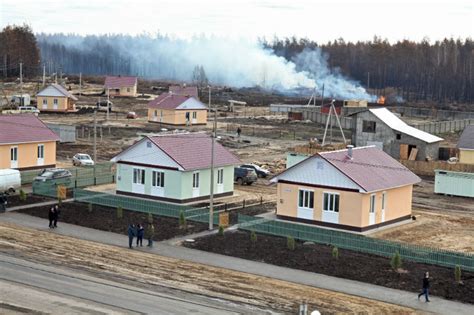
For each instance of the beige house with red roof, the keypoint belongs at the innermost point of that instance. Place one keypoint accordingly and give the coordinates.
(175, 168)
(177, 110)
(55, 98)
(185, 90)
(26, 143)
(121, 86)
(355, 189)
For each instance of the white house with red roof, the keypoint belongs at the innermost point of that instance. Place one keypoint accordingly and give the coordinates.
(55, 98)
(26, 143)
(175, 168)
(355, 189)
(177, 110)
(121, 86)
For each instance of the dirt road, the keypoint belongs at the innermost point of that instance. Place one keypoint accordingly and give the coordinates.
(149, 271)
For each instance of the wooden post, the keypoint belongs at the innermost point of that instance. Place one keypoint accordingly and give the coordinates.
(243, 204)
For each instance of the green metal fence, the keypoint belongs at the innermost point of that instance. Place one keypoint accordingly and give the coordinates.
(357, 243)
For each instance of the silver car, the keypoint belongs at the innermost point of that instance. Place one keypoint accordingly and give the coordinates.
(82, 159)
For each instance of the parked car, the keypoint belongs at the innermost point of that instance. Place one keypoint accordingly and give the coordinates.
(28, 109)
(261, 172)
(82, 159)
(54, 175)
(244, 175)
(132, 115)
(10, 180)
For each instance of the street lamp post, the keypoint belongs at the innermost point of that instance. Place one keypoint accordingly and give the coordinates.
(213, 139)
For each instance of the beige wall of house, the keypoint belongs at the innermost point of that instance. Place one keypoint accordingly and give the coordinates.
(466, 156)
(55, 103)
(177, 117)
(124, 91)
(353, 206)
(27, 155)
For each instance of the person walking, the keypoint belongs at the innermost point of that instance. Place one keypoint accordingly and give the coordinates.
(426, 287)
(3, 202)
(131, 233)
(51, 216)
(239, 131)
(140, 233)
(56, 216)
(149, 234)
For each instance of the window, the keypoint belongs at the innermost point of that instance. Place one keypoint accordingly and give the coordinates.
(372, 204)
(368, 126)
(195, 180)
(194, 115)
(148, 144)
(161, 113)
(139, 176)
(384, 200)
(14, 154)
(331, 202)
(220, 176)
(158, 179)
(128, 89)
(399, 136)
(155, 113)
(40, 151)
(55, 101)
(306, 199)
(45, 101)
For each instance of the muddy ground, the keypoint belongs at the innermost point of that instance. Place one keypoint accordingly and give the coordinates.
(350, 265)
(237, 287)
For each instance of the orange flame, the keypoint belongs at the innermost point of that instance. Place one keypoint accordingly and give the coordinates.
(381, 100)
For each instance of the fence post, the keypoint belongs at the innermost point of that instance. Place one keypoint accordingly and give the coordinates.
(243, 204)
(261, 200)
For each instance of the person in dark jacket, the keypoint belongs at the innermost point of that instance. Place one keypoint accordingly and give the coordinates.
(140, 234)
(149, 234)
(3, 202)
(51, 216)
(56, 215)
(426, 287)
(131, 233)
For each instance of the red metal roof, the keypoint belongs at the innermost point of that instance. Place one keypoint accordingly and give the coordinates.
(193, 150)
(184, 90)
(168, 101)
(371, 168)
(115, 82)
(24, 128)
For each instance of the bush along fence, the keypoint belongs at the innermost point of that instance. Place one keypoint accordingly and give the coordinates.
(357, 243)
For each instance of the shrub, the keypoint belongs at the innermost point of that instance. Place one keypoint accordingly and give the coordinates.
(253, 237)
(89, 207)
(119, 212)
(150, 218)
(22, 195)
(335, 252)
(290, 243)
(457, 273)
(182, 220)
(396, 261)
(221, 230)
(60, 201)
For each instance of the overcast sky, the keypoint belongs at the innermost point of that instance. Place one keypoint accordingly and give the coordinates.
(320, 20)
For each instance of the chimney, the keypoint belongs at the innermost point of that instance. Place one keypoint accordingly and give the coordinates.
(349, 150)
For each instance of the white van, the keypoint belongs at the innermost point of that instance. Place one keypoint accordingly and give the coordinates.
(10, 180)
(29, 109)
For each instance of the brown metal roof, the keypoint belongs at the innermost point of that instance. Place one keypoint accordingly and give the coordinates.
(116, 82)
(24, 128)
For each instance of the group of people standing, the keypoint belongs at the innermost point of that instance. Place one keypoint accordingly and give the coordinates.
(53, 216)
(139, 232)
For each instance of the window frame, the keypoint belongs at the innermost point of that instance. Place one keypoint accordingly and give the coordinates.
(194, 115)
(305, 198)
(331, 202)
(55, 101)
(384, 200)
(40, 149)
(45, 101)
(372, 203)
(158, 179)
(138, 176)
(195, 180)
(365, 124)
(220, 176)
(14, 149)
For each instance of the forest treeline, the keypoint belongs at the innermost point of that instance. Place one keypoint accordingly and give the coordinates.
(440, 71)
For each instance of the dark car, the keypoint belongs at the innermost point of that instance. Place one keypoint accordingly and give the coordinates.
(54, 176)
(244, 175)
(261, 172)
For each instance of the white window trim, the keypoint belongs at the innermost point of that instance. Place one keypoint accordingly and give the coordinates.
(384, 200)
(142, 173)
(220, 176)
(16, 157)
(309, 191)
(154, 178)
(372, 204)
(198, 180)
(55, 101)
(334, 202)
(38, 151)
(194, 116)
(45, 101)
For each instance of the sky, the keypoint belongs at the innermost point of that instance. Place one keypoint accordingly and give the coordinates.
(319, 20)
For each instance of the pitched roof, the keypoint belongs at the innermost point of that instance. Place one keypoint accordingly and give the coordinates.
(184, 90)
(466, 141)
(56, 90)
(391, 120)
(115, 82)
(24, 128)
(370, 168)
(193, 150)
(173, 101)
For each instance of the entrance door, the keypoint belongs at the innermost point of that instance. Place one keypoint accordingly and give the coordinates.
(372, 210)
(138, 184)
(14, 157)
(194, 120)
(196, 184)
(55, 103)
(40, 160)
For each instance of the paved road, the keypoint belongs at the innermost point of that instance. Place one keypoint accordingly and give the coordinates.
(366, 290)
(114, 297)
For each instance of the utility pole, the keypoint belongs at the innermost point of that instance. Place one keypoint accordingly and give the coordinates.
(368, 80)
(80, 83)
(44, 74)
(21, 77)
(322, 96)
(95, 136)
(108, 102)
(213, 139)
